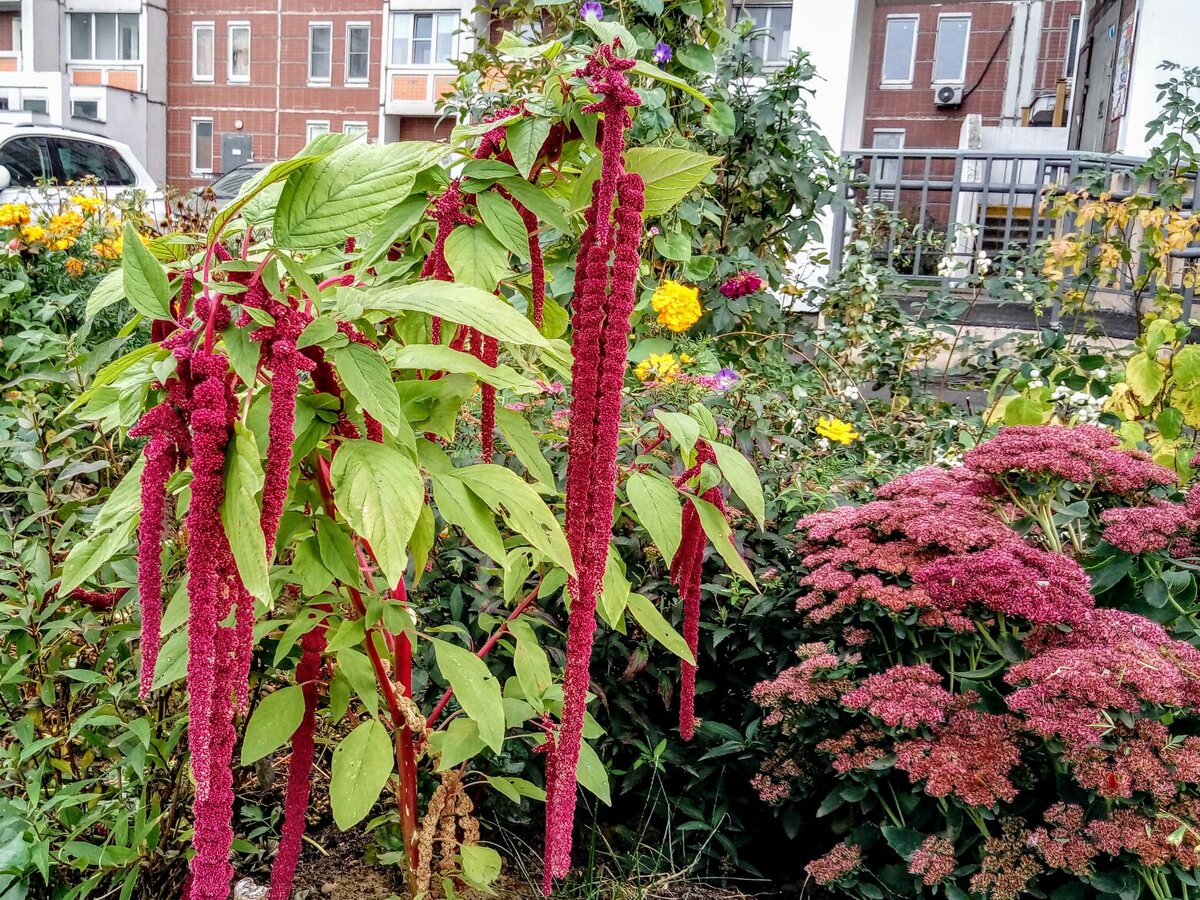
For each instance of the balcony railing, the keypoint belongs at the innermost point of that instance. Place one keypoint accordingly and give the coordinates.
(934, 211)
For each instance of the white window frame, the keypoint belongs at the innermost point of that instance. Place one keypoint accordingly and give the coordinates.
(361, 129)
(772, 43)
(239, 79)
(912, 57)
(89, 98)
(320, 79)
(1075, 31)
(211, 28)
(433, 63)
(197, 170)
(887, 171)
(309, 134)
(962, 75)
(93, 58)
(349, 27)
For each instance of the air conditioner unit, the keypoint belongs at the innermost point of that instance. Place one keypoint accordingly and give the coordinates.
(948, 95)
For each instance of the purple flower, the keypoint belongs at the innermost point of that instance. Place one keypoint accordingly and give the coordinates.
(662, 52)
(726, 379)
(591, 8)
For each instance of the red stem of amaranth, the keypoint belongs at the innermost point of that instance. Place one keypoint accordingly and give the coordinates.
(487, 648)
(406, 758)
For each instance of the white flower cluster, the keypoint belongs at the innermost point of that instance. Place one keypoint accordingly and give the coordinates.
(1035, 379)
(983, 263)
(948, 458)
(1021, 286)
(947, 266)
(1087, 408)
(851, 393)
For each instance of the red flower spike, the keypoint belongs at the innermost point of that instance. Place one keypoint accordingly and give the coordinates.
(601, 335)
(448, 213)
(537, 268)
(295, 804)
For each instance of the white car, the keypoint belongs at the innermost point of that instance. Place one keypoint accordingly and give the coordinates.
(35, 160)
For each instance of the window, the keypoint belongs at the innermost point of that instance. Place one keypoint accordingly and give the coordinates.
(775, 24)
(35, 105)
(358, 129)
(422, 38)
(203, 51)
(899, 49)
(27, 160)
(312, 129)
(950, 58)
(78, 160)
(86, 109)
(358, 52)
(105, 37)
(202, 145)
(1072, 48)
(239, 52)
(887, 169)
(16, 34)
(320, 51)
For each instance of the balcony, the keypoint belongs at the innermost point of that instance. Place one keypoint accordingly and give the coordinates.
(414, 91)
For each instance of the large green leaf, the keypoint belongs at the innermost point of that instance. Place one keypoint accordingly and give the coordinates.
(718, 531)
(110, 290)
(522, 508)
(275, 720)
(240, 512)
(400, 220)
(641, 67)
(462, 507)
(441, 358)
(648, 616)
(669, 174)
(144, 278)
(361, 675)
(519, 434)
(332, 198)
(456, 743)
(1145, 376)
(591, 774)
(318, 148)
(368, 378)
(537, 201)
(531, 663)
(742, 478)
(476, 257)
(682, 427)
(362, 765)
(380, 492)
(501, 218)
(525, 138)
(112, 530)
(656, 502)
(464, 304)
(476, 689)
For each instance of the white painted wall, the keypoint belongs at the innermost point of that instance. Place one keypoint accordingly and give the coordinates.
(1167, 30)
(826, 29)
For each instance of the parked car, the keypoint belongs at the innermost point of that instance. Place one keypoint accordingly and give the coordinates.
(36, 160)
(230, 184)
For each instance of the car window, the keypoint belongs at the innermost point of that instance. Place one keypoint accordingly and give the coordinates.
(27, 160)
(79, 160)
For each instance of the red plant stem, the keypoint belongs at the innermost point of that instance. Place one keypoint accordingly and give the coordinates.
(487, 648)
(405, 756)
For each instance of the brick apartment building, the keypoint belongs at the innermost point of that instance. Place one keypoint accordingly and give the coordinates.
(256, 80)
(933, 65)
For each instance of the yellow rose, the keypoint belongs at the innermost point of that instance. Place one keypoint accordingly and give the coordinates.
(677, 305)
(33, 233)
(89, 205)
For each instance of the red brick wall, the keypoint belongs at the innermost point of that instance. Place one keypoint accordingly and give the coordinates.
(424, 128)
(278, 102)
(6, 30)
(913, 109)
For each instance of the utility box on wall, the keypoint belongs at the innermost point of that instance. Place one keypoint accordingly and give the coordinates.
(236, 150)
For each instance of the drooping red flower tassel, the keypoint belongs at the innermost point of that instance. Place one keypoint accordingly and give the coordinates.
(295, 805)
(448, 213)
(601, 334)
(537, 268)
(208, 589)
(686, 570)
